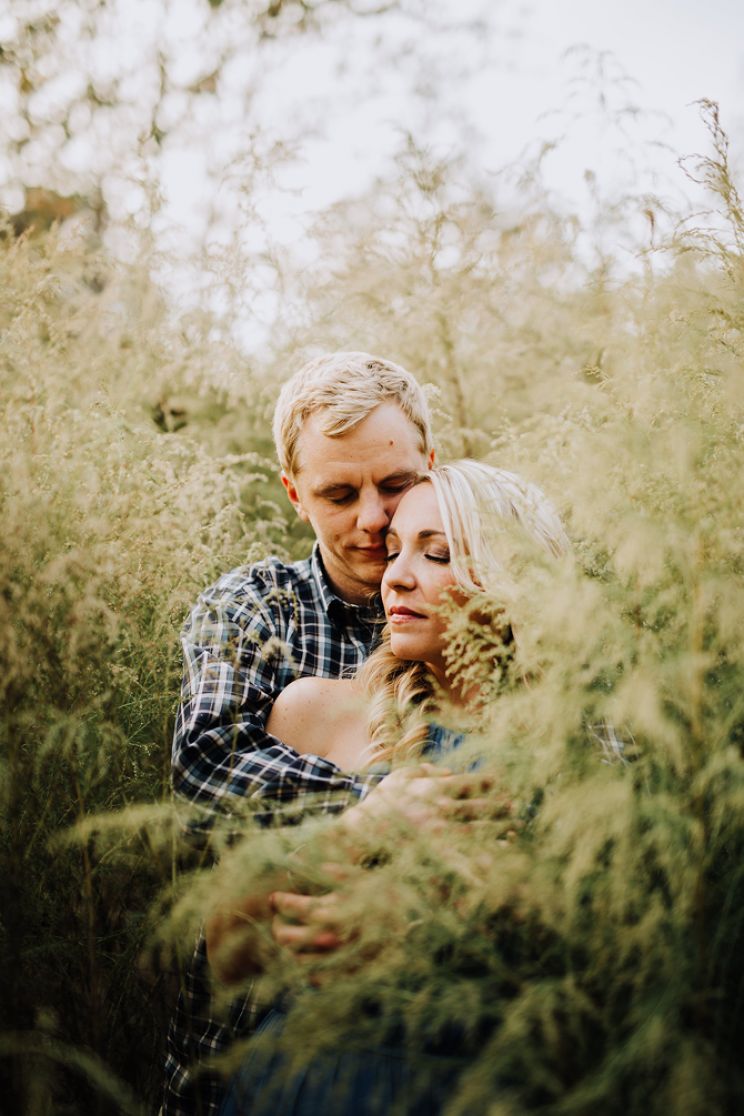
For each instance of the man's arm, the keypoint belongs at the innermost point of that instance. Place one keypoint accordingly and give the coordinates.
(235, 665)
(244, 931)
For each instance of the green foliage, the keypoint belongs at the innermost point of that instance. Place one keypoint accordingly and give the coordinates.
(110, 528)
(592, 963)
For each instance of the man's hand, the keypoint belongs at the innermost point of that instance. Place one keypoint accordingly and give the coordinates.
(428, 796)
(243, 934)
(313, 928)
(310, 926)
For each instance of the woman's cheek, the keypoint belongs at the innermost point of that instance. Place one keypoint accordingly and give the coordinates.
(446, 590)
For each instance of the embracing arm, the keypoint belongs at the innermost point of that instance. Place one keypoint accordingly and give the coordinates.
(235, 667)
(245, 932)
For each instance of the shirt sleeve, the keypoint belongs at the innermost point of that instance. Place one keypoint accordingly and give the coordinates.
(235, 665)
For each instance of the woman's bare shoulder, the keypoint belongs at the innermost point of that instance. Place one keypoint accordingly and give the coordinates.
(307, 712)
(312, 691)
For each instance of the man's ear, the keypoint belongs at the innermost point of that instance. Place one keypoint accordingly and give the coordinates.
(294, 497)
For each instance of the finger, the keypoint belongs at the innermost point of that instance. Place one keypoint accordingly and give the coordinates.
(291, 937)
(465, 785)
(306, 910)
(469, 809)
(291, 904)
(324, 942)
(455, 786)
(302, 939)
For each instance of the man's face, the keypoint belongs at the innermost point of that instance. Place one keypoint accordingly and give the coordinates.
(347, 489)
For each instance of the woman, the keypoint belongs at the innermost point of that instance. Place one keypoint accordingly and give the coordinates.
(442, 550)
(445, 548)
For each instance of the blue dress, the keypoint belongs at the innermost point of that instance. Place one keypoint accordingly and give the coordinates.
(384, 1080)
(380, 1081)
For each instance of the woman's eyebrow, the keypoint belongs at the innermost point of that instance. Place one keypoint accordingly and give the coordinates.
(422, 536)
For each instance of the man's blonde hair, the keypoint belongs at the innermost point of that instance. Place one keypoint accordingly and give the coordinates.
(345, 387)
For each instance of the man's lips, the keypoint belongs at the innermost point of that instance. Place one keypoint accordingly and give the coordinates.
(373, 551)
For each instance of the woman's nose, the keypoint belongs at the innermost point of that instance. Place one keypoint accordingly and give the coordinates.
(399, 574)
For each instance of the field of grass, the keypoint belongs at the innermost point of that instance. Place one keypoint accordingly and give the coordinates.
(594, 964)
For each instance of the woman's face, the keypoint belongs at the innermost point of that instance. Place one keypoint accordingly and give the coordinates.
(417, 576)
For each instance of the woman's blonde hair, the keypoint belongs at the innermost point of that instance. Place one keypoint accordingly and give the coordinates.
(345, 387)
(475, 502)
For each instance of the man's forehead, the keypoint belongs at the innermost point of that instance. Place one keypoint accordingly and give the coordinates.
(385, 437)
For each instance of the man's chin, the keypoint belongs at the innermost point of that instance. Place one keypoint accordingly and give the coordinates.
(368, 572)
(369, 568)
(357, 580)
(372, 575)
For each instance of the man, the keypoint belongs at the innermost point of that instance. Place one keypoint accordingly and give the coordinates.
(352, 431)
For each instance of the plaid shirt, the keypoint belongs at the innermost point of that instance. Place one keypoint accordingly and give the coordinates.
(249, 635)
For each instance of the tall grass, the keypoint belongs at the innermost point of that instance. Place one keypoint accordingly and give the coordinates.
(110, 527)
(591, 965)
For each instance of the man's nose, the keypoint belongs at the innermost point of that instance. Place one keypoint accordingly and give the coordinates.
(374, 514)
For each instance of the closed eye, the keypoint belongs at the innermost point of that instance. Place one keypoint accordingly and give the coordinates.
(444, 559)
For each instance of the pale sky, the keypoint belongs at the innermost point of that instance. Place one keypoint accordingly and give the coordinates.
(608, 86)
(502, 96)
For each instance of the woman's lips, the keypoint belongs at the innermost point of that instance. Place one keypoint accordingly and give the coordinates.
(401, 615)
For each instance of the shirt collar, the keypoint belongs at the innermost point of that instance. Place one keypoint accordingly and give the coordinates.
(336, 606)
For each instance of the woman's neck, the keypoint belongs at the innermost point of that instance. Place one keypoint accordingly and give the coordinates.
(459, 693)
